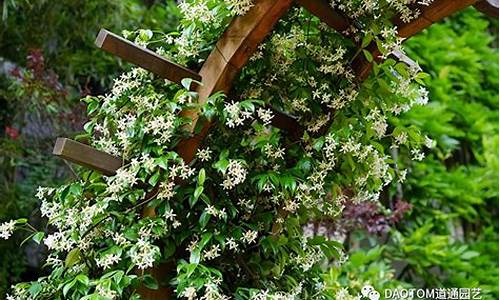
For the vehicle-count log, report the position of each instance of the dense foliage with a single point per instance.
(259, 214)
(450, 239)
(44, 71)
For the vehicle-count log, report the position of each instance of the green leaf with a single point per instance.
(368, 55)
(72, 258)
(194, 258)
(38, 237)
(367, 40)
(154, 178)
(83, 279)
(198, 192)
(204, 218)
(201, 177)
(21, 221)
(150, 282)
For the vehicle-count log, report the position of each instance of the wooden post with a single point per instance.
(87, 156)
(143, 57)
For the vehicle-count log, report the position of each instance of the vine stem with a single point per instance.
(144, 202)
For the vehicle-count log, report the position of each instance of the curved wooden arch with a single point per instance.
(230, 55)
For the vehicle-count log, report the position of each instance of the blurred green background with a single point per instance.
(448, 239)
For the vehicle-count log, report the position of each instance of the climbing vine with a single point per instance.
(230, 223)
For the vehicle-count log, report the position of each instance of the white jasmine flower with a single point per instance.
(189, 293)
(169, 215)
(401, 138)
(428, 142)
(417, 155)
(250, 236)
(204, 154)
(235, 174)
(143, 254)
(232, 244)
(240, 7)
(108, 260)
(266, 115)
(6, 229)
(214, 252)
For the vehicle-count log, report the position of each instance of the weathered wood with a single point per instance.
(438, 10)
(143, 57)
(230, 54)
(435, 12)
(325, 12)
(289, 124)
(489, 7)
(87, 156)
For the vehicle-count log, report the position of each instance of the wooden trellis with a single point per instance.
(229, 56)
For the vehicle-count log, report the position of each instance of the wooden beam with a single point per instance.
(231, 53)
(143, 57)
(288, 124)
(87, 156)
(435, 12)
(325, 12)
(489, 7)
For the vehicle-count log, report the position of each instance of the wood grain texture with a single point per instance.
(87, 156)
(230, 55)
(489, 7)
(325, 12)
(143, 57)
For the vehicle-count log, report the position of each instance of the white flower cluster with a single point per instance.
(379, 122)
(219, 213)
(311, 256)
(266, 115)
(211, 253)
(235, 174)
(240, 7)
(108, 260)
(250, 236)
(105, 292)
(59, 241)
(235, 114)
(212, 292)
(6, 229)
(373, 8)
(143, 254)
(162, 127)
(274, 152)
(189, 293)
(124, 178)
(204, 154)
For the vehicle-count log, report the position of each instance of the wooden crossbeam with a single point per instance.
(143, 57)
(325, 12)
(87, 156)
(489, 7)
(435, 12)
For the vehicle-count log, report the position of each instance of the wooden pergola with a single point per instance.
(230, 54)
